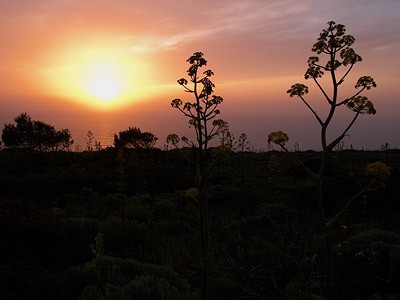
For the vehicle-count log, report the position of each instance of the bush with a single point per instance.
(85, 203)
(136, 211)
(163, 209)
(131, 279)
(373, 258)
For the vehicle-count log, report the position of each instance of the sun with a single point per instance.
(105, 87)
(97, 77)
(104, 83)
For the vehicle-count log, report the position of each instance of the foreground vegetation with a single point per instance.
(265, 240)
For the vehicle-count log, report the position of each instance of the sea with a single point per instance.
(303, 133)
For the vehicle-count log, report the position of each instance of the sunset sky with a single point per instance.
(105, 65)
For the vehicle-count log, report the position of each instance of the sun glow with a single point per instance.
(105, 84)
(104, 87)
(104, 79)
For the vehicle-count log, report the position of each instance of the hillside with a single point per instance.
(264, 237)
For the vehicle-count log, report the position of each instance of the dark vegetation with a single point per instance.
(29, 134)
(135, 138)
(264, 234)
(335, 59)
(202, 113)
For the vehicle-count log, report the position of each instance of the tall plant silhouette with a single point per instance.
(334, 45)
(202, 113)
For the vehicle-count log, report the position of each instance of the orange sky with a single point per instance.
(69, 61)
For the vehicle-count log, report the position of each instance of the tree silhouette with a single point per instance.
(135, 138)
(35, 135)
(243, 145)
(202, 117)
(335, 45)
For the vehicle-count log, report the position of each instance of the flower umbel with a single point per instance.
(377, 169)
(192, 193)
(278, 137)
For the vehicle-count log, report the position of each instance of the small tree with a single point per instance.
(20, 134)
(335, 45)
(35, 135)
(135, 138)
(62, 140)
(226, 138)
(202, 117)
(89, 140)
(243, 143)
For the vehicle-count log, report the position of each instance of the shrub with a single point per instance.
(371, 255)
(163, 209)
(131, 279)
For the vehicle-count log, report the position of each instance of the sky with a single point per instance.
(106, 65)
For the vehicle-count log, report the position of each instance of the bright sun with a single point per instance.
(104, 87)
(104, 84)
(100, 78)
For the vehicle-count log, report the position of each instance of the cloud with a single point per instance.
(245, 22)
(256, 34)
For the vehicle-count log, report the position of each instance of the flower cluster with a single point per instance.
(377, 169)
(278, 137)
(192, 193)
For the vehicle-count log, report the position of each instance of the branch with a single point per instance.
(187, 89)
(325, 50)
(341, 212)
(213, 132)
(185, 113)
(347, 100)
(312, 110)
(308, 170)
(344, 76)
(338, 139)
(184, 154)
(323, 91)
